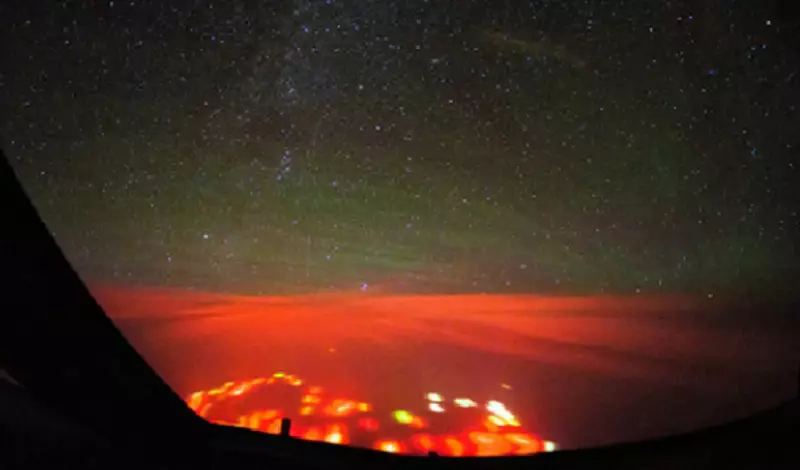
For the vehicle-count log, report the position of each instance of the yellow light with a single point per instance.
(364, 407)
(278, 375)
(506, 386)
(549, 446)
(307, 411)
(436, 408)
(434, 397)
(403, 416)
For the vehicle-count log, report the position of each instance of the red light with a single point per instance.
(368, 424)
(423, 442)
(485, 438)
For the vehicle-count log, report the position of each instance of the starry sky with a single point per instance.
(578, 147)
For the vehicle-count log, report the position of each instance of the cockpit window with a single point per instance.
(469, 228)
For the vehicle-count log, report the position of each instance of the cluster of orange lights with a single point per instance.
(499, 432)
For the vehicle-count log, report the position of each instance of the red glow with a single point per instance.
(481, 440)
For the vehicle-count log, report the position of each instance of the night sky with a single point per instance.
(394, 146)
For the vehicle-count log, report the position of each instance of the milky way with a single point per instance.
(304, 146)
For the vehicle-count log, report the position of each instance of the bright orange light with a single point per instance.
(364, 407)
(337, 434)
(254, 421)
(204, 410)
(340, 408)
(195, 400)
(488, 444)
(269, 414)
(312, 399)
(389, 445)
(485, 442)
(492, 423)
(453, 447)
(418, 422)
(312, 434)
(274, 427)
(526, 443)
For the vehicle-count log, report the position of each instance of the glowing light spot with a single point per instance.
(204, 410)
(241, 389)
(493, 423)
(549, 446)
(465, 403)
(436, 407)
(312, 434)
(340, 408)
(254, 421)
(195, 400)
(498, 409)
(310, 399)
(423, 442)
(364, 407)
(391, 446)
(337, 434)
(506, 386)
(526, 443)
(434, 397)
(418, 423)
(489, 444)
(307, 410)
(274, 427)
(453, 447)
(368, 424)
(403, 416)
